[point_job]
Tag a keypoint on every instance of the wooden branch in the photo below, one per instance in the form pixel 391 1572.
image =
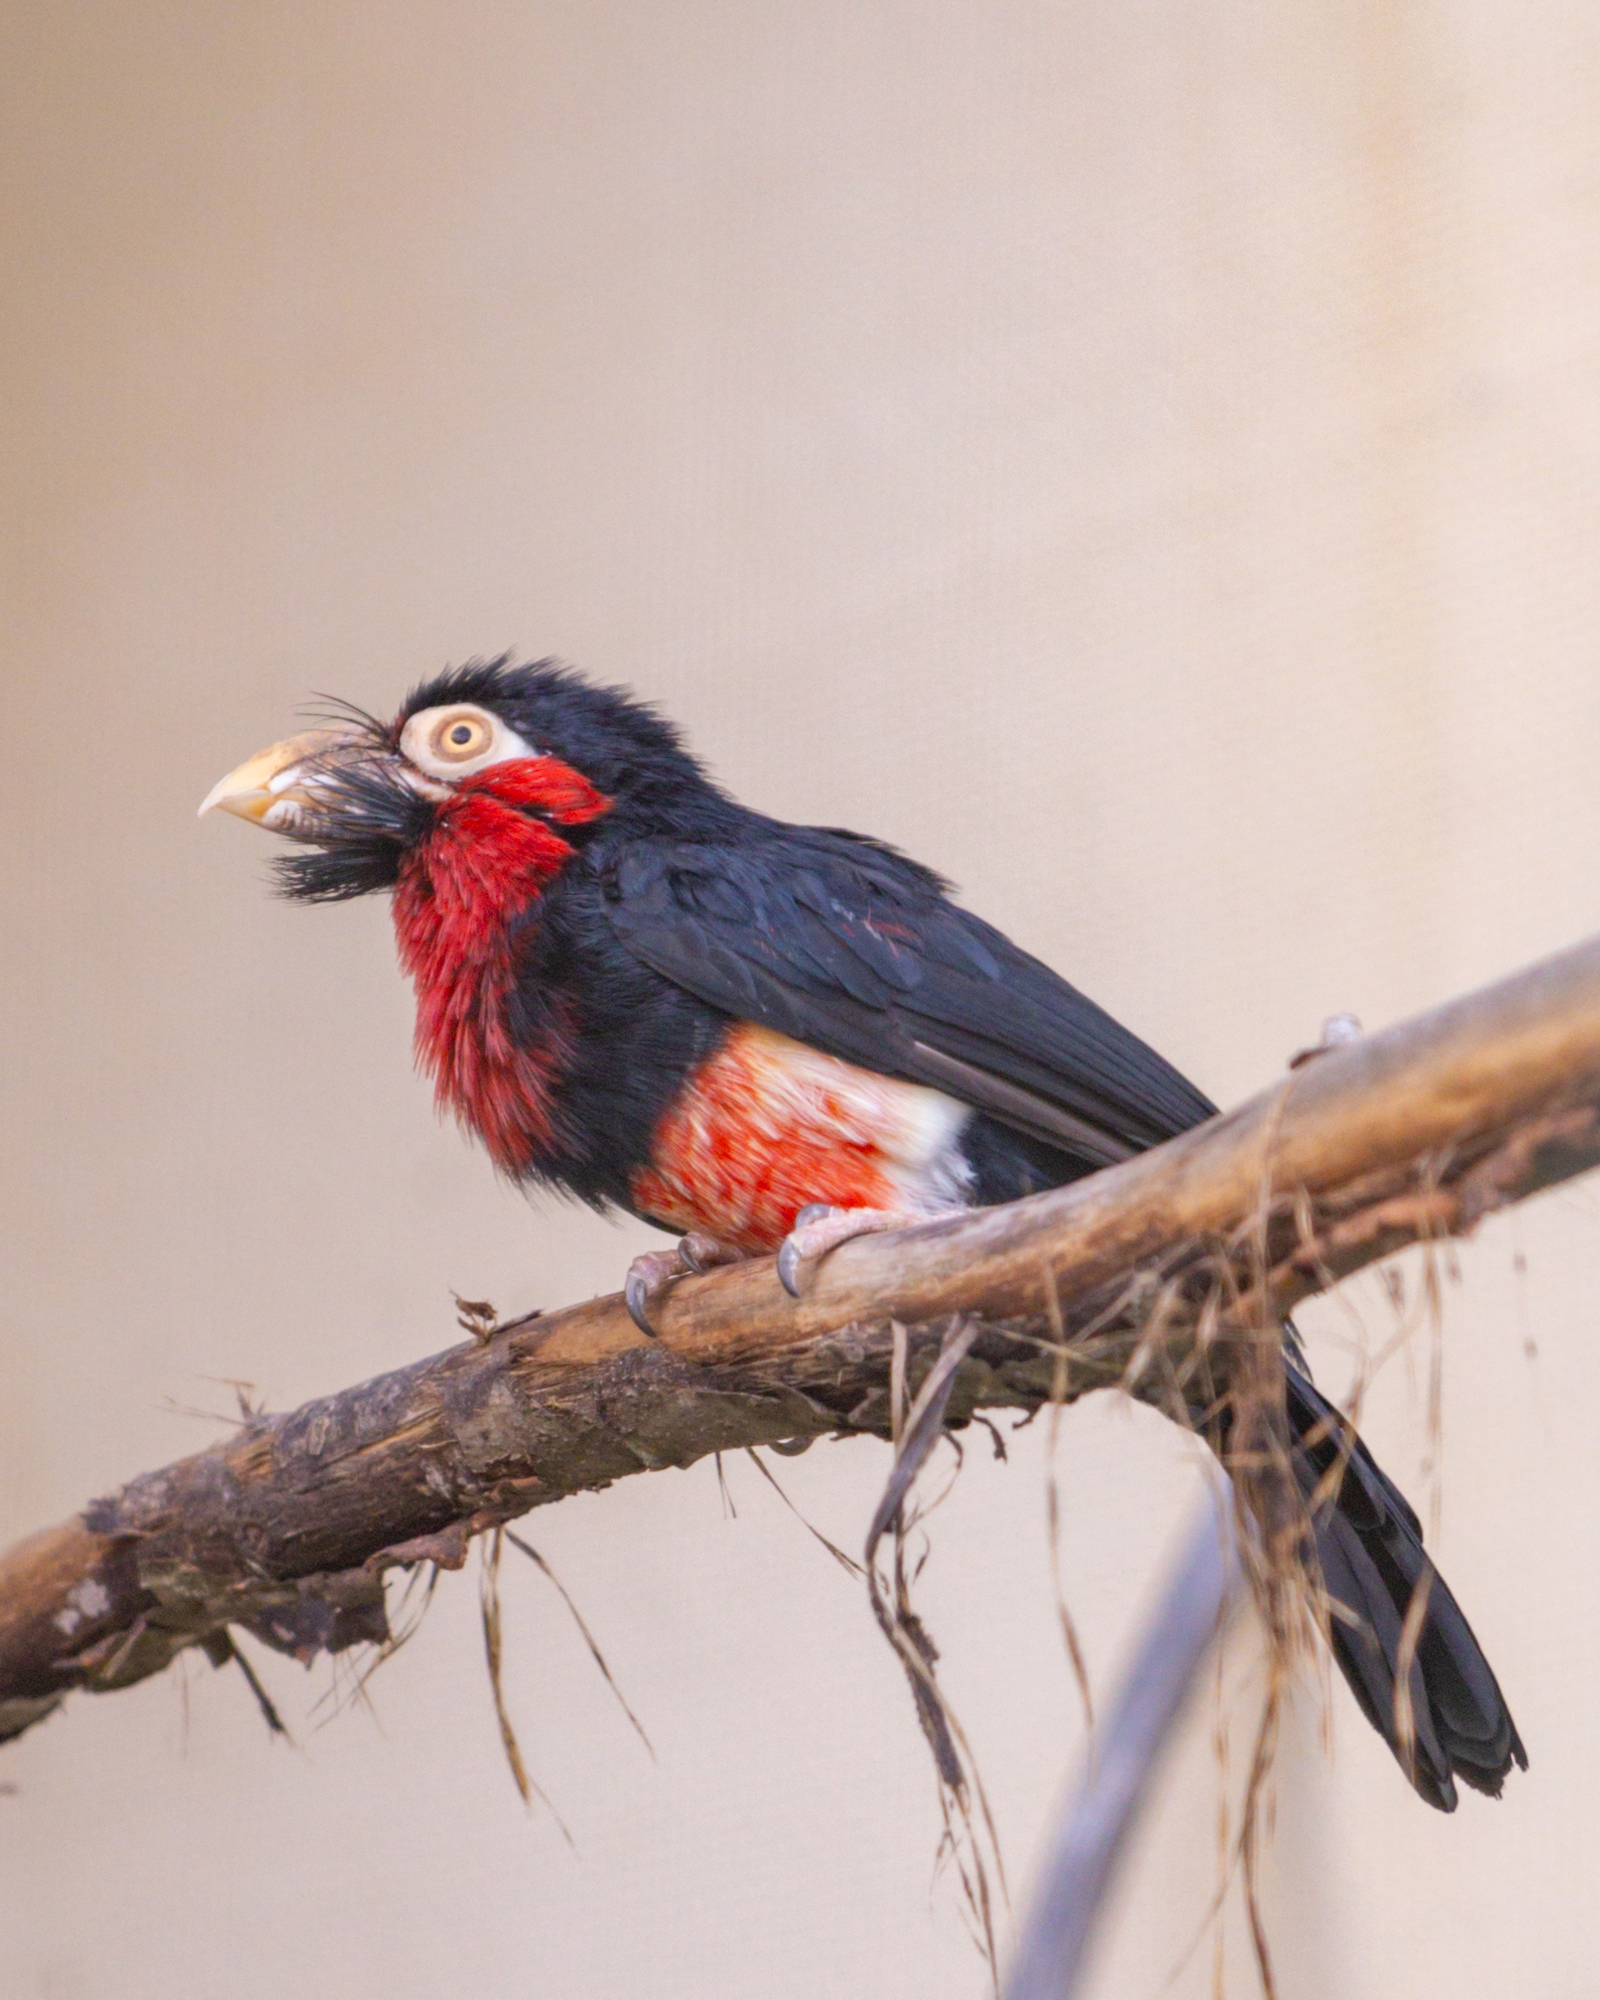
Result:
pixel 286 1528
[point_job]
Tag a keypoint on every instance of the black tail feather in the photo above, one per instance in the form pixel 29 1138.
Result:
pixel 1369 1542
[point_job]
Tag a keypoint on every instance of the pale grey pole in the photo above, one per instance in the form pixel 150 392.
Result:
pixel 1102 1806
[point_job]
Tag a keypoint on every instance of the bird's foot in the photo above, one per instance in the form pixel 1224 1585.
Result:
pixel 819 1229
pixel 653 1275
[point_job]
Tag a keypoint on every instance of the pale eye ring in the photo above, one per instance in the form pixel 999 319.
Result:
pixel 460 737
pixel 456 741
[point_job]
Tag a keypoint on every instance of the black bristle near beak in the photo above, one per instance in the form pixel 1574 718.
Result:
pixel 365 818
pixel 334 712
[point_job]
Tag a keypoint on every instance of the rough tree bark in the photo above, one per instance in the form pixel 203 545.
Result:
pixel 286 1528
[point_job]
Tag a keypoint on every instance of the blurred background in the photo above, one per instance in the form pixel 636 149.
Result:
pixel 1144 460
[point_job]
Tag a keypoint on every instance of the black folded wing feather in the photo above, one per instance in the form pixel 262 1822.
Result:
pixel 844 945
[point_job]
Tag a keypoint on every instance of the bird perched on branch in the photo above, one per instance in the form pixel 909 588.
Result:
pixel 769 1038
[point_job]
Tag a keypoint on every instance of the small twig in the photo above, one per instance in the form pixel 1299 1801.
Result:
pixel 476 1318
pixel 847 1563
pixel 276 1725
pixel 917 1431
pixel 1052 1491
pixel 493 1648
pixel 534 1556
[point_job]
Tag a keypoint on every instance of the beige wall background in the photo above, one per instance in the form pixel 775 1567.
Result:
pixel 1143 459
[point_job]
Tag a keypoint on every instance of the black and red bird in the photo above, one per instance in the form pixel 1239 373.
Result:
pixel 767 1038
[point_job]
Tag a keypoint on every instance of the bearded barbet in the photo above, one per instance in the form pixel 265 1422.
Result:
pixel 769 1038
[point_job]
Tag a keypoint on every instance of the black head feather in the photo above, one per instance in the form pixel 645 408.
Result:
pixel 367 816
pixel 621 744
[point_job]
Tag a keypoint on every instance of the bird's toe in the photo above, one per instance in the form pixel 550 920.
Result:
pixel 649 1277
pixel 652 1275
pixel 819 1229
pixel 699 1253
pixel 789 1267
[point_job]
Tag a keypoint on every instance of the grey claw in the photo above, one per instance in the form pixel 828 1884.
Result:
pixel 636 1297
pixel 789 1267
pixel 789 1259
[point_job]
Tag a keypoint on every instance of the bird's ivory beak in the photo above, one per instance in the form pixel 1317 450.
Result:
pixel 274 787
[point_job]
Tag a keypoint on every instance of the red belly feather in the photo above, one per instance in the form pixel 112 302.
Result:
pixel 767 1125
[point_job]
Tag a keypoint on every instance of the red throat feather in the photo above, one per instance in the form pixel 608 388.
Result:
pixel 483 865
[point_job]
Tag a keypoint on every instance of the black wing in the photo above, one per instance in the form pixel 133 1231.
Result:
pixel 849 947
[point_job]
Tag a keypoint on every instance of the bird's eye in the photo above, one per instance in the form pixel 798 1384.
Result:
pixel 459 738
pixel 457 741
